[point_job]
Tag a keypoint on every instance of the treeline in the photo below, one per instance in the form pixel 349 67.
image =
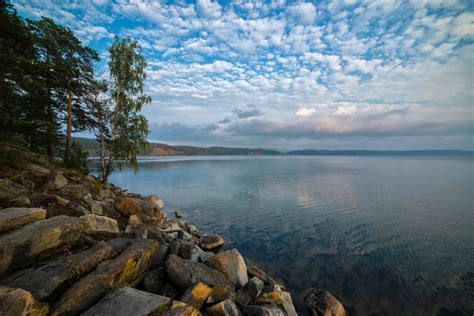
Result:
pixel 49 89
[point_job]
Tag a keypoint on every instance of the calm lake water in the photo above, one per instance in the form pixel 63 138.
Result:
pixel 386 235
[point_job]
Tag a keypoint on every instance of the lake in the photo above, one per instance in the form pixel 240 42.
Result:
pixel 385 235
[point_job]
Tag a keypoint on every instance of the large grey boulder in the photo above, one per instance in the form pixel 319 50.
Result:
pixel 322 303
pixel 14 302
pixel 16 217
pixel 185 273
pixel 49 280
pixel 127 301
pixel 232 265
pixel 128 269
pixel 23 246
pixel 100 226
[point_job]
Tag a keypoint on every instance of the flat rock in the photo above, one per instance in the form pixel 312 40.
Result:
pixel 100 226
pixel 16 217
pixel 127 301
pixel 128 269
pixel 14 302
pixel 323 303
pixel 48 280
pixel 211 242
pixel 261 310
pixel 224 308
pixel 185 273
pixel 21 247
pixel 232 265
pixel 196 295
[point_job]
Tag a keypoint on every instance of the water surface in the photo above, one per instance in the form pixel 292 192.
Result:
pixel 386 235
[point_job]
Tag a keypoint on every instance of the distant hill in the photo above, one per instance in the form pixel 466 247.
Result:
pixel 312 152
pixel 156 149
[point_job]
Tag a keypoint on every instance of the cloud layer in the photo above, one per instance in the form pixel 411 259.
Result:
pixel 359 74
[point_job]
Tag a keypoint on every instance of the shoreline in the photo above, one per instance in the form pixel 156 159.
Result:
pixel 70 244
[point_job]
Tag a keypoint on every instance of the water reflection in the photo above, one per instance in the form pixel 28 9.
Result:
pixel 388 236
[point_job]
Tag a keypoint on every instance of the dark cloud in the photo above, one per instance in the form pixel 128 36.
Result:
pixel 245 114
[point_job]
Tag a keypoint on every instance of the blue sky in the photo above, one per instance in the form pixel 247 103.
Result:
pixel 385 74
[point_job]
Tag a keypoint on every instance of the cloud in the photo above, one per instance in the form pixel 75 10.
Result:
pixel 245 114
pixel 304 112
pixel 303 13
pixel 208 9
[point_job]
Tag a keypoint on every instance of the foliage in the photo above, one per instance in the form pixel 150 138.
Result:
pixel 77 159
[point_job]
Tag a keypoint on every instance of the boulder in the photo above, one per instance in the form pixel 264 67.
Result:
pixel 48 280
pixel 242 297
pixel 128 269
pixel 16 217
pixel 270 298
pixel 14 302
pixel 196 295
pixel 169 290
pixel 155 201
pixel 181 309
pixel 134 220
pixel 185 273
pixel 255 271
pixel 206 255
pixel 127 301
pixel 185 249
pixel 9 191
pixel 224 308
pixel 72 208
pixel 287 305
pixel 37 170
pixel 260 310
pixel 100 226
pixel 155 280
pixel 76 191
pixel 254 287
pixel 128 206
pixel 57 182
pixel 221 293
pixel 232 265
pixel 322 303
pixel 177 214
pixel 23 246
pixel 211 242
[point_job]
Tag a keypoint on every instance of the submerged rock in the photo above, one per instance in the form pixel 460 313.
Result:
pixel 322 303
pixel 232 265
pixel 185 273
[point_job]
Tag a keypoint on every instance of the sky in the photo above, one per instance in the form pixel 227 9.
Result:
pixel 349 74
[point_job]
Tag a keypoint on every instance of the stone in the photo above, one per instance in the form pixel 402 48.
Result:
pixel 23 246
pixel 155 201
pixel 9 191
pixel 287 305
pixel 14 302
pixel 57 182
pixel 196 295
pixel 22 201
pixel 224 308
pixel 177 214
pixel 232 265
pixel 139 231
pixel 206 255
pixel 242 298
pixel 211 242
pixel 185 273
pixel 76 191
pixel 260 310
pixel 95 207
pixel 128 206
pixel 192 230
pixel 169 290
pixel 72 208
pixel 185 250
pixel 49 280
pixel 322 303
pixel 181 309
pixel 221 293
pixel 127 269
pixel 254 287
pixel 128 301
pixel 134 220
pixel 155 280
pixel 16 217
pixel 100 226
pixel 255 271
pixel 37 170
pixel 271 298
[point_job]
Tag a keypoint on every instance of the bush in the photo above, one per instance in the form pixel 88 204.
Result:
pixel 77 158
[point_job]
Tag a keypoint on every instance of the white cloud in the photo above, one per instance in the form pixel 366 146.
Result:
pixel 208 9
pixel 303 13
pixel 305 112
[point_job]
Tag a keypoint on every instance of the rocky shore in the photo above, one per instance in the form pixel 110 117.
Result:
pixel 70 245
